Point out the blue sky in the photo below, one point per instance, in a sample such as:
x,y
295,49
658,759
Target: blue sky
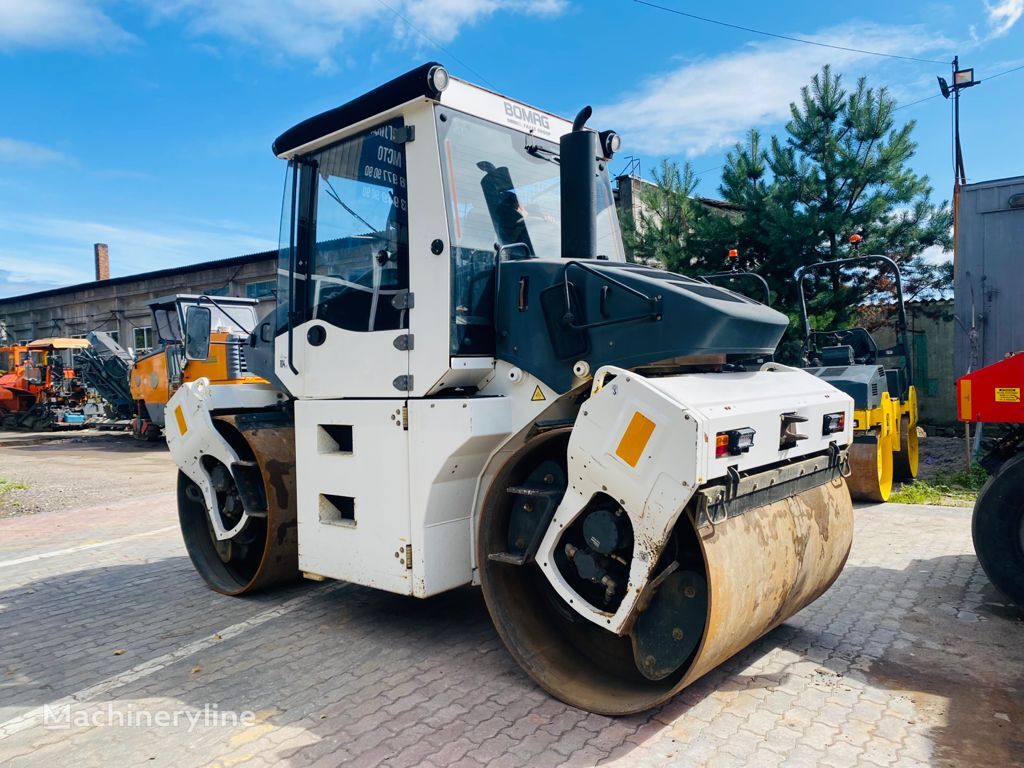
x,y
148,124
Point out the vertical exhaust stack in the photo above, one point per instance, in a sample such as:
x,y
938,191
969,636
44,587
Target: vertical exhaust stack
x,y
578,152
101,255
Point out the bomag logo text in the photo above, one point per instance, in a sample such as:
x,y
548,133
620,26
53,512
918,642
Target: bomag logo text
x,y
528,116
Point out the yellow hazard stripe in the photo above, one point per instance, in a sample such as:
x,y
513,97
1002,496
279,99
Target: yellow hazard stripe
x,y
179,415
634,439
965,399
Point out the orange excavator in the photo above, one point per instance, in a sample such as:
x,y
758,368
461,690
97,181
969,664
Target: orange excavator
x,y
39,389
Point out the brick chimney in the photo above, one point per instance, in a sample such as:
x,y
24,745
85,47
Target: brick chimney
x,y
102,255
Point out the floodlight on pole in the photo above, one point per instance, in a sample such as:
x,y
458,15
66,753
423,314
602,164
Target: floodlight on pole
x,y
962,78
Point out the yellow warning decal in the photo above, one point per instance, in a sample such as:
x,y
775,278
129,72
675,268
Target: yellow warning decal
x,y
537,395
634,439
180,416
1007,394
965,400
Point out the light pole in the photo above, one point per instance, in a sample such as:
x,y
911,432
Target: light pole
x,y
962,78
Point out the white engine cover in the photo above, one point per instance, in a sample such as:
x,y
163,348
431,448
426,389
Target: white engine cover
x,y
649,443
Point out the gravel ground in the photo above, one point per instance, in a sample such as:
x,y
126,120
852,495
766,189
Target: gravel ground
x,y
941,454
52,474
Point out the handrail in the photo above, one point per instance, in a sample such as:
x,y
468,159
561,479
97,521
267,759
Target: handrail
x,y
901,314
735,273
653,301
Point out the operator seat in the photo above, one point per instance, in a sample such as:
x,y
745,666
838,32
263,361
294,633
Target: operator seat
x,y
841,354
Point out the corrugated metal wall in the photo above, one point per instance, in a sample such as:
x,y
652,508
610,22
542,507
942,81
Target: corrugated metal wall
x,y
989,282
931,328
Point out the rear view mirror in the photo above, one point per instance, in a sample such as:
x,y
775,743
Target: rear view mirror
x,y
197,333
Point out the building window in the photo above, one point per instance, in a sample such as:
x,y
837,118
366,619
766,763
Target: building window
x,y
143,339
222,291
260,290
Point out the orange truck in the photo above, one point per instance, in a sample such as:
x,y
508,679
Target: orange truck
x,y
157,373
38,387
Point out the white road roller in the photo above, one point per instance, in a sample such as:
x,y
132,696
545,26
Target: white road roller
x,y
468,384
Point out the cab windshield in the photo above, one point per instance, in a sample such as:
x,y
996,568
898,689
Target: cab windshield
x,y
502,188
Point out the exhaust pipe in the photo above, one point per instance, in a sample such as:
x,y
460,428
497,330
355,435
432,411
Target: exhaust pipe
x,y
578,152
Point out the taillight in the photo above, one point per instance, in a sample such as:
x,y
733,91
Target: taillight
x,y
734,442
832,423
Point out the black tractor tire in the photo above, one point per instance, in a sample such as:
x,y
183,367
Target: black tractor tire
x,y
998,529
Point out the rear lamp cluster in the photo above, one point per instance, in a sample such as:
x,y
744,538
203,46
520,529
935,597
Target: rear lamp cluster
x,y
832,423
733,442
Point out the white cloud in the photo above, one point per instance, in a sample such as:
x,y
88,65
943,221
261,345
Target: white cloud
x,y
14,151
58,24
707,104
1002,15
315,29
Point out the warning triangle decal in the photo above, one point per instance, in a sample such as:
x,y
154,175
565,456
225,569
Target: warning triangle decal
x,y
537,395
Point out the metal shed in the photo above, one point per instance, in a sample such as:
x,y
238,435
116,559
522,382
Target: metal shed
x,y
989,276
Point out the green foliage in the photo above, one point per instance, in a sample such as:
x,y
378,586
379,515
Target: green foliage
x,y
840,169
951,488
667,216
9,485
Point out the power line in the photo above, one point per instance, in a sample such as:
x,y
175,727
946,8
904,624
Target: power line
x,y
1006,72
936,95
708,170
902,106
437,45
926,98
784,37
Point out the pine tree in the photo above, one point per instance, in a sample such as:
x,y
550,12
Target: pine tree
x,y
667,217
841,169
844,170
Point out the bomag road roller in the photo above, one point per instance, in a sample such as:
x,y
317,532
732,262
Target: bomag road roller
x,y
880,381
468,384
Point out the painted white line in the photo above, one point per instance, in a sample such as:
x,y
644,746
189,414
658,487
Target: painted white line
x,y
82,547
151,667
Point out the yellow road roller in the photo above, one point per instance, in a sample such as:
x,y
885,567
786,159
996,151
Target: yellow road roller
x,y
467,384
880,381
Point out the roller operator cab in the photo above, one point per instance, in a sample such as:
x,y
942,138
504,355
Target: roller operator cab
x,y
879,379
468,384
155,374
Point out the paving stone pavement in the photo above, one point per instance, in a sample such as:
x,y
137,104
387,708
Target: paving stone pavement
x,y
107,635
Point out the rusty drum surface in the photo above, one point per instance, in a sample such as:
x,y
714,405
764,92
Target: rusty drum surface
x,y
274,448
762,567
264,553
871,465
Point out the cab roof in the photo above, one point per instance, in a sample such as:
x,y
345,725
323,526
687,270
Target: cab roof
x,y
174,298
418,84
403,88
58,343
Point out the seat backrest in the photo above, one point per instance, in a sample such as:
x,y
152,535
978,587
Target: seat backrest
x,y
838,355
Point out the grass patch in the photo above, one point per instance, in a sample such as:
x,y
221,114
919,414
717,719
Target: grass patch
x,y
956,488
6,486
